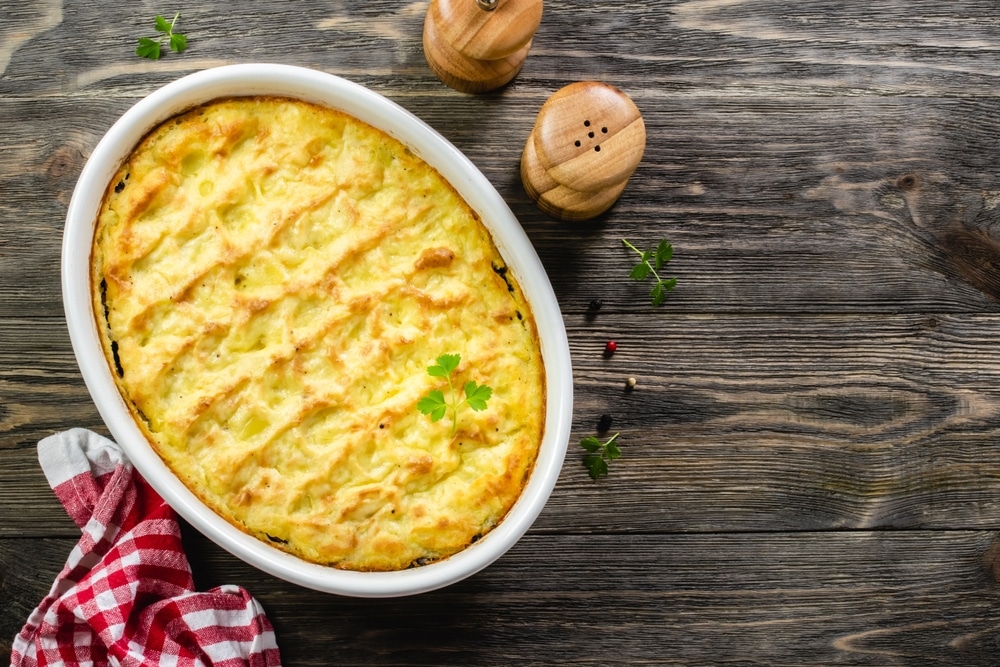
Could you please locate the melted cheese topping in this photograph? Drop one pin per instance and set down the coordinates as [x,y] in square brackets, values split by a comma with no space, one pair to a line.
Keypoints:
[273,279]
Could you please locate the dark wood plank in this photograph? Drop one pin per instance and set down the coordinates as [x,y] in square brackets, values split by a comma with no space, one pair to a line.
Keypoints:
[896,598]
[754,47]
[788,206]
[738,422]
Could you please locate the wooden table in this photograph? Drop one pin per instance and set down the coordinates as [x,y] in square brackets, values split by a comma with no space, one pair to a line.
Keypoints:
[811,469]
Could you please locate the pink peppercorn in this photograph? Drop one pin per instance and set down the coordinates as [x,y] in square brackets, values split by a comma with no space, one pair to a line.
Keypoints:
[610,347]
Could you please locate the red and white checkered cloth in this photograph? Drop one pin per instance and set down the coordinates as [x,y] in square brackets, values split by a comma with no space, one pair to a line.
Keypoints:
[126,595]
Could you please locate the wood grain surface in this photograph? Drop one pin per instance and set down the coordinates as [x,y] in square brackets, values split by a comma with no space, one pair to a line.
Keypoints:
[811,467]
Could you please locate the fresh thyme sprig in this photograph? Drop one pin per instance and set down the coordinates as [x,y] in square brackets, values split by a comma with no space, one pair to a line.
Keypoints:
[150,48]
[436,404]
[599,454]
[651,262]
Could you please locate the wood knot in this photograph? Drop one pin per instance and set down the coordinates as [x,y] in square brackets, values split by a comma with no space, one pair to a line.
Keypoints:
[64,161]
[975,257]
[991,560]
[907,182]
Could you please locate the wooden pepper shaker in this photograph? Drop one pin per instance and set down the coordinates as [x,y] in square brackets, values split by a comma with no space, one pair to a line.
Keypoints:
[479,45]
[587,141]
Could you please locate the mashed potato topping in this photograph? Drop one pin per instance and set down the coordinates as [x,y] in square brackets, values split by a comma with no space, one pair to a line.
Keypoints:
[272,279]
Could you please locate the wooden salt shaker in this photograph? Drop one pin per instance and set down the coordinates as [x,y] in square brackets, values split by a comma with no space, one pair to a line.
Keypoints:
[479,45]
[587,141]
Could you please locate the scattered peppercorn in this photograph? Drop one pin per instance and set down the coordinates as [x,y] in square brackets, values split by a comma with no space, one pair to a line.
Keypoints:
[630,383]
[596,304]
[610,347]
[604,424]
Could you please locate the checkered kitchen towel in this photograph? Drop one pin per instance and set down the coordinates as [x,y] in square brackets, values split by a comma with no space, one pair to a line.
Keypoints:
[126,595]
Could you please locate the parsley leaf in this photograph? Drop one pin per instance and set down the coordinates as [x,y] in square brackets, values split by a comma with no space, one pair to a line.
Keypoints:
[599,454]
[148,48]
[477,395]
[178,42]
[664,252]
[446,363]
[162,25]
[433,404]
[650,263]
[151,48]
[436,404]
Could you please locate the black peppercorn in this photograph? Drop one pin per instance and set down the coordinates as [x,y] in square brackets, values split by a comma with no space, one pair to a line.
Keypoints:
[596,304]
[604,424]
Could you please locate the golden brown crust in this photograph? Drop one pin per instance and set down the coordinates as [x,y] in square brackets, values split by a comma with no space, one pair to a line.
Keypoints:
[272,279]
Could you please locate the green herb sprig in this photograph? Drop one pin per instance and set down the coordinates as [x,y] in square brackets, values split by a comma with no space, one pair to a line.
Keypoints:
[436,404]
[150,48]
[651,262]
[599,454]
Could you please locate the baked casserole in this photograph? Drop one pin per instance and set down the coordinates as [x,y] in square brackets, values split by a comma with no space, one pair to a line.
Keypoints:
[272,280]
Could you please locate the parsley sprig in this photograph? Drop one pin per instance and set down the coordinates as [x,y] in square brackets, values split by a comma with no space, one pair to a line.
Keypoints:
[436,404]
[150,48]
[599,454]
[651,262]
